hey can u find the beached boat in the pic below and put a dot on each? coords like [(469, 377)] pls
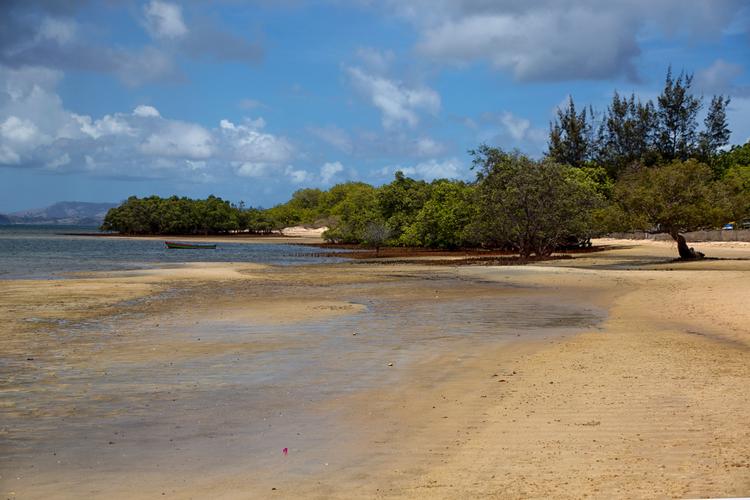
[(190, 246)]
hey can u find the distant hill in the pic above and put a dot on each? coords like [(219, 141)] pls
[(64, 212), (4, 220)]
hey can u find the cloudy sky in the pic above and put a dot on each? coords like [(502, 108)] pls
[(251, 100)]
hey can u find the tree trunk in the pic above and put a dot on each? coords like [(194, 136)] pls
[(687, 253)]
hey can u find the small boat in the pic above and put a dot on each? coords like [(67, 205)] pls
[(190, 246)]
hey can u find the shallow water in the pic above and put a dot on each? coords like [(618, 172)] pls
[(42, 252), (233, 394)]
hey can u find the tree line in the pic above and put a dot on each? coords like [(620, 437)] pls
[(631, 131), (636, 166)]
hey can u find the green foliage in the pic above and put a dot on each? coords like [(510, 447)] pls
[(736, 156), (735, 188), (716, 134), (677, 112), (155, 215), (529, 205), (443, 220), (627, 133), (400, 201), (677, 197), (571, 140), (589, 184), (354, 205), (633, 132)]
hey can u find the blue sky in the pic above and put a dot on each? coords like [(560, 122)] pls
[(251, 100)]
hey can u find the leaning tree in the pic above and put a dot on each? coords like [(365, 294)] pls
[(677, 197)]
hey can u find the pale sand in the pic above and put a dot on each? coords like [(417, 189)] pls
[(654, 402)]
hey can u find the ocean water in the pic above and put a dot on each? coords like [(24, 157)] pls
[(42, 252)]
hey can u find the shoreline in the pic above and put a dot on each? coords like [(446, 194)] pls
[(599, 401), (223, 238)]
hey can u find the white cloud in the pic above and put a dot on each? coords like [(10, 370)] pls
[(297, 176), (247, 142), (8, 156), (335, 136), (398, 103), (510, 131), (179, 139), (428, 147), (62, 31), (516, 127), (329, 170), (60, 161), (532, 46), (249, 169), (30, 116), (553, 39), (107, 125), (17, 137), (18, 130), (46, 34), (521, 130), (36, 131), (450, 168), (146, 111), (164, 20)]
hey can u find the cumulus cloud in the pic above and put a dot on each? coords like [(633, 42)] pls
[(450, 168), (426, 146), (45, 34), (205, 38), (37, 131), (62, 31), (179, 139), (519, 130), (297, 176), (164, 20), (398, 103), (39, 35), (107, 125), (249, 143), (329, 171), (146, 111), (553, 39), (508, 131)]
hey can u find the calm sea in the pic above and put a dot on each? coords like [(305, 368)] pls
[(44, 252)]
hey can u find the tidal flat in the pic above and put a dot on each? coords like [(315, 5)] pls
[(615, 373)]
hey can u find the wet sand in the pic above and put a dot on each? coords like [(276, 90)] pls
[(614, 374)]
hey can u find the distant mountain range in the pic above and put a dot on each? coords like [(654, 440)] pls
[(63, 213)]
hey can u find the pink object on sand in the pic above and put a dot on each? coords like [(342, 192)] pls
[(285, 451)]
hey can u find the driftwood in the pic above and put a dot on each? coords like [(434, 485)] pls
[(686, 252)]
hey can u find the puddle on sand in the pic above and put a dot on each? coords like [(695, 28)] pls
[(250, 390)]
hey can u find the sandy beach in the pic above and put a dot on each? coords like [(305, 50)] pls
[(613, 374)]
